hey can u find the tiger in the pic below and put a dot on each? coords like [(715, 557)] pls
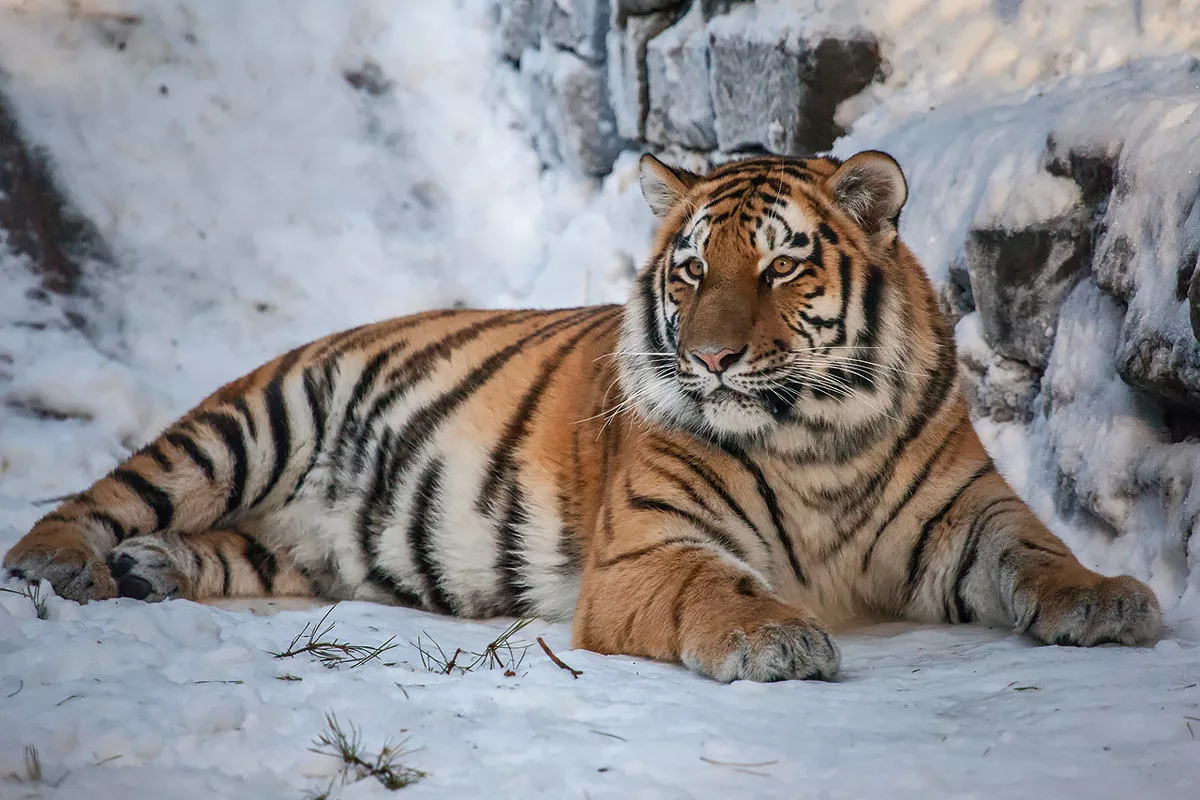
[(766, 443)]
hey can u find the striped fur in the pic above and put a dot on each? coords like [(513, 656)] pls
[(768, 440)]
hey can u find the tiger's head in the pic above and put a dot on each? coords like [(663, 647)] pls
[(778, 295)]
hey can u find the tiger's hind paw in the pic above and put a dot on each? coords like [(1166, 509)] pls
[(144, 570), (1122, 610), (72, 568)]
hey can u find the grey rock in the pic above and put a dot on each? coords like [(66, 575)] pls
[(1093, 170), (519, 26), (572, 122), (1154, 361), (1194, 303), (621, 9), (1002, 389), (576, 25), (680, 108), (1020, 278), (627, 70), (955, 297), (781, 95)]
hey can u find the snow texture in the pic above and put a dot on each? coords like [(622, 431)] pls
[(268, 172)]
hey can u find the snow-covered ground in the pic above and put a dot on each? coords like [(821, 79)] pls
[(255, 199)]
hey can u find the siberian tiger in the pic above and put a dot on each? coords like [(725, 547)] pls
[(768, 439)]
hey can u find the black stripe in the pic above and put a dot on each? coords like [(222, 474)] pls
[(658, 505), (909, 493), (828, 233), (1028, 545), (386, 581), (501, 465), (642, 552), (192, 450), (681, 486), (421, 528), (281, 433), (239, 403), (230, 431), (969, 555), (847, 288), (226, 572), (767, 493), (316, 399), (263, 561), (115, 528), (650, 315), (151, 495), (916, 558), (350, 427), (711, 478), (155, 452)]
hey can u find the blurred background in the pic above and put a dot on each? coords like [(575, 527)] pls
[(190, 188)]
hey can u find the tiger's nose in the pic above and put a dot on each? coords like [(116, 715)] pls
[(717, 361)]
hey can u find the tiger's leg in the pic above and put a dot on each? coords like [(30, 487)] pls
[(986, 557), (245, 448), (201, 566), (684, 599)]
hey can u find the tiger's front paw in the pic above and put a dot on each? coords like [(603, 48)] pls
[(770, 651), (72, 568), (1121, 609)]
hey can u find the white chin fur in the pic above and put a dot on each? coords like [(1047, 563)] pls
[(735, 419)]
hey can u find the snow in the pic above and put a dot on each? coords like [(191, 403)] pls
[(254, 200)]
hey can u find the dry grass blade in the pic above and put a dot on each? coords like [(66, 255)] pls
[(317, 640), (500, 653), (356, 765), (33, 592)]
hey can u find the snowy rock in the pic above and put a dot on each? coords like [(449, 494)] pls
[(627, 70), (579, 26), (955, 297), (572, 121), (627, 8), (781, 94), (1019, 279), (680, 107), (518, 27), (1155, 361), (1001, 389)]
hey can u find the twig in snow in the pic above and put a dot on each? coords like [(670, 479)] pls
[(501, 652), (575, 673), (356, 765), (32, 592), (329, 650), (33, 768)]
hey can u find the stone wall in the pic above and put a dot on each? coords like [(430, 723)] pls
[(689, 77)]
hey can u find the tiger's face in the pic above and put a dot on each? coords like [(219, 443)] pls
[(766, 301)]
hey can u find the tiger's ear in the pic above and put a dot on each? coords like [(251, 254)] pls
[(663, 186), (871, 189)]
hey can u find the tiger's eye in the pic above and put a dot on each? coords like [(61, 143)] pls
[(782, 267), (694, 268)]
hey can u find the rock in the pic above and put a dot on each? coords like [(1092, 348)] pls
[(579, 26), (1002, 389), (955, 297), (1020, 278), (1093, 170), (627, 70), (781, 94), (1194, 303), (621, 9), (571, 120), (680, 107), (38, 220), (1155, 361), (519, 27)]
